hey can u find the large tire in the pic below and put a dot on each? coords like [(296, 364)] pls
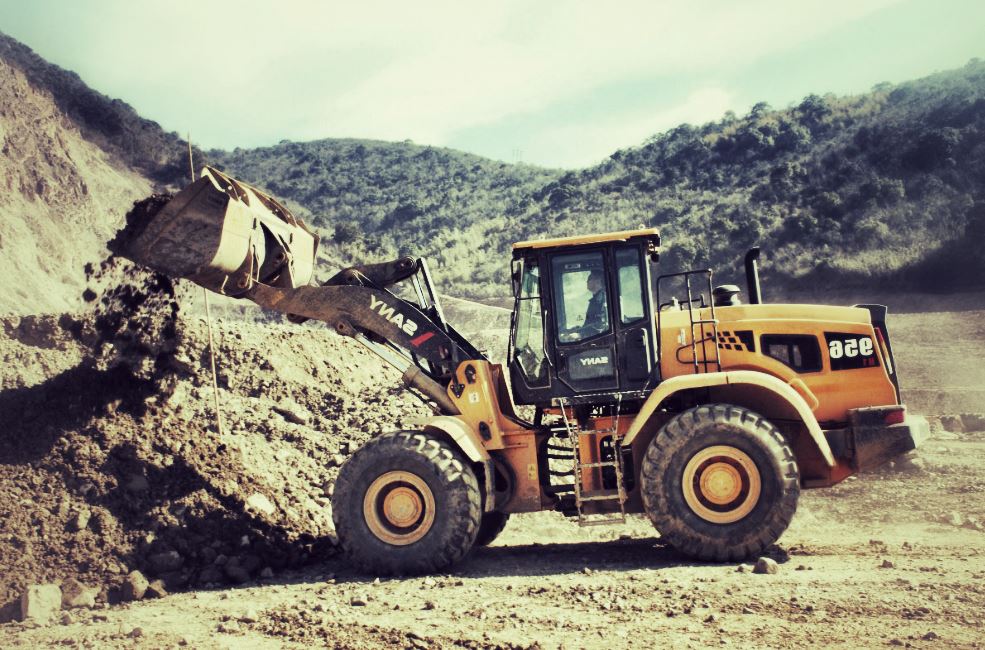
[(406, 503), (491, 526), (720, 483)]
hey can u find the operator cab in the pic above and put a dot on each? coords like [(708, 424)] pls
[(583, 326)]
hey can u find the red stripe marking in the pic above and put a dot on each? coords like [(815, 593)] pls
[(421, 339)]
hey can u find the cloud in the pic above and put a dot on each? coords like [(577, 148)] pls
[(247, 72), (524, 61), (588, 142)]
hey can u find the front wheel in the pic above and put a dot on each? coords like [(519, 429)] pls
[(720, 482), (406, 503)]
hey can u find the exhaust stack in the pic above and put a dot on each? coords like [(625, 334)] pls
[(752, 276)]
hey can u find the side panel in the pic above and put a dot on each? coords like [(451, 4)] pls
[(843, 369)]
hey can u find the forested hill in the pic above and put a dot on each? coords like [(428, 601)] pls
[(885, 188)]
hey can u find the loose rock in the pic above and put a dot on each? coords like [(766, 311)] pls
[(156, 589), (292, 412), (80, 520), (76, 594), (261, 503), (40, 603), (165, 562), (134, 587), (766, 565)]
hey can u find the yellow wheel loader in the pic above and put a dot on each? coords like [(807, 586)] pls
[(647, 391)]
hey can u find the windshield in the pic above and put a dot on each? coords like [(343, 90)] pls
[(581, 296)]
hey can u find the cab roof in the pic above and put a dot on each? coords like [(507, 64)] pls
[(582, 240)]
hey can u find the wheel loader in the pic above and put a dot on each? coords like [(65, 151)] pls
[(645, 390)]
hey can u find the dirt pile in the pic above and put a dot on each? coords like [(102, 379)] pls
[(111, 460)]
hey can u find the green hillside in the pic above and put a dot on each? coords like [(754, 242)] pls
[(884, 189)]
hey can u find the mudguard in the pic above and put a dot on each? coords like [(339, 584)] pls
[(782, 391), (461, 434)]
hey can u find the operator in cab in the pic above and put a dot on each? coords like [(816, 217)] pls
[(597, 314)]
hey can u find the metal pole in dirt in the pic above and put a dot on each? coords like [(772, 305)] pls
[(208, 320)]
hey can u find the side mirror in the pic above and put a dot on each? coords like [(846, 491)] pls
[(653, 251)]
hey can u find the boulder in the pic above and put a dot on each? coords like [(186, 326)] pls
[(952, 423), (156, 589), (76, 594), (236, 573), (210, 575), (973, 421), (165, 562), (41, 603), (134, 587)]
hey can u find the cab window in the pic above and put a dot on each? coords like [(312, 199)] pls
[(800, 352), (580, 296), (631, 299), (528, 344)]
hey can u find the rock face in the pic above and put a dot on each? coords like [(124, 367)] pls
[(40, 603), (60, 199)]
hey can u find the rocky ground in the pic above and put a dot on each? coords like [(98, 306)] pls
[(117, 486)]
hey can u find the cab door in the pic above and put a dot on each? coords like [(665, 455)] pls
[(584, 332), (635, 356)]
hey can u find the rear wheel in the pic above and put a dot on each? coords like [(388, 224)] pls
[(720, 482), (490, 527), (406, 503)]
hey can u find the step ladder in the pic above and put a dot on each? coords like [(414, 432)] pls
[(582, 495), (704, 331)]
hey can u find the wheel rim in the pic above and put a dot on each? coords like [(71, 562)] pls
[(399, 508), (721, 484)]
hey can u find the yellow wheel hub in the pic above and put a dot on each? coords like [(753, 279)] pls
[(721, 484), (399, 508)]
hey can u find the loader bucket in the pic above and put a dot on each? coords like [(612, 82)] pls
[(224, 235)]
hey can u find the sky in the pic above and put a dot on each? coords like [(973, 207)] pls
[(556, 83)]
